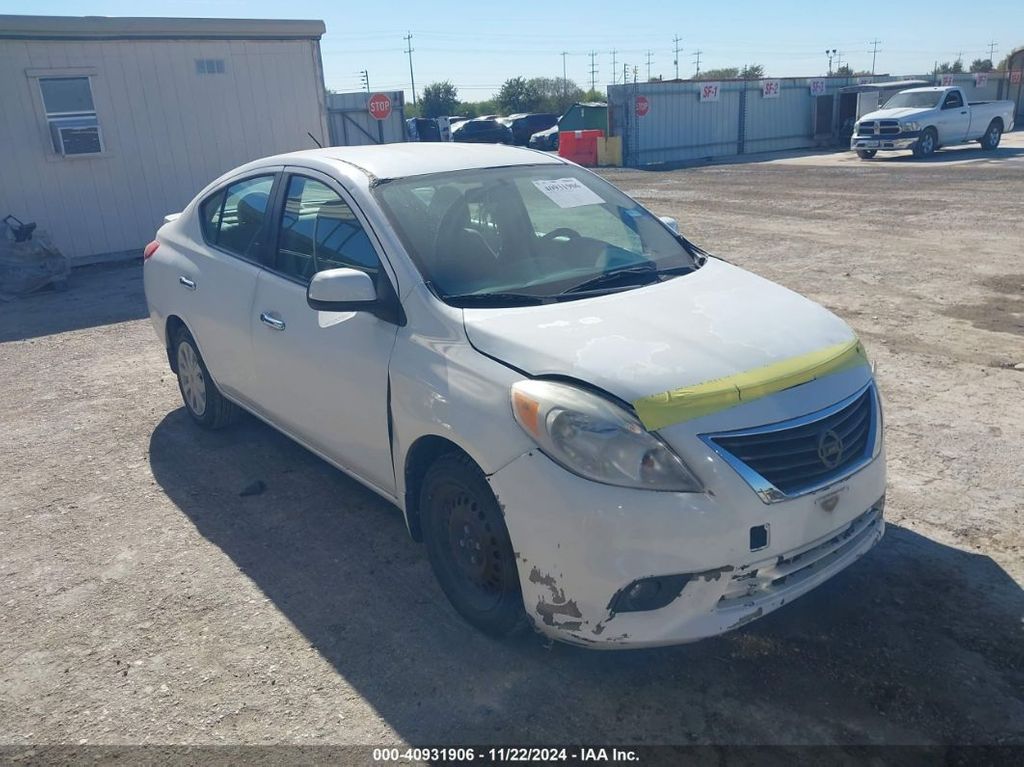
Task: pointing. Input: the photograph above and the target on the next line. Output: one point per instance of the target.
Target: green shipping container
(586, 116)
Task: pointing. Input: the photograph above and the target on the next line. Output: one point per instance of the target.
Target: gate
(350, 123)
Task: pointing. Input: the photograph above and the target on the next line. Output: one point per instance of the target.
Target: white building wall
(167, 130)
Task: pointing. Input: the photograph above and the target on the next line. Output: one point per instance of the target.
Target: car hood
(716, 322)
(900, 113)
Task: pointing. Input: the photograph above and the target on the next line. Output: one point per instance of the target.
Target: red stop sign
(379, 106)
(643, 106)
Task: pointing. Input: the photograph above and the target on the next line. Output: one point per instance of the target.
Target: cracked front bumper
(578, 543)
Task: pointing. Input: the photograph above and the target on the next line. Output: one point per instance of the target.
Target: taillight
(150, 250)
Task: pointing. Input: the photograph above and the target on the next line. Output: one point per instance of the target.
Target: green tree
(752, 72)
(982, 65)
(517, 95)
(1004, 64)
(556, 94)
(439, 99)
(844, 71)
(594, 95)
(945, 68)
(722, 73)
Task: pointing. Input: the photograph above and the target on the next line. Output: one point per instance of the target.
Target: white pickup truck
(924, 119)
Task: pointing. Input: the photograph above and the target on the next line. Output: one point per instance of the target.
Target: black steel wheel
(469, 546)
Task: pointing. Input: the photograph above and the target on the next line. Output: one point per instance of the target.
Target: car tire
(203, 400)
(993, 135)
(927, 144)
(469, 547)
(866, 154)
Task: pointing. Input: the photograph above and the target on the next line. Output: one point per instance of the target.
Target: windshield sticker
(567, 192)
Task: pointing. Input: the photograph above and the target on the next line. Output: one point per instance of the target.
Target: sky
(478, 45)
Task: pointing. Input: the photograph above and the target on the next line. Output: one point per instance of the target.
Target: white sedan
(596, 428)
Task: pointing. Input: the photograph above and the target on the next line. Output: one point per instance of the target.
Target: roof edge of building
(155, 28)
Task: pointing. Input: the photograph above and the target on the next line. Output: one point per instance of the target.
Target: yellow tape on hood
(678, 405)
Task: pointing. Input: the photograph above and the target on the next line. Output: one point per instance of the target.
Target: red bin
(580, 146)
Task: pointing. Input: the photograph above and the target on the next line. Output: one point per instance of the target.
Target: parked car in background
(482, 131)
(545, 139)
(926, 119)
(525, 125)
(424, 129)
(594, 426)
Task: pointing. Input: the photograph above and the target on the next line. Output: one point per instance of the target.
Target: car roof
(389, 161)
(930, 89)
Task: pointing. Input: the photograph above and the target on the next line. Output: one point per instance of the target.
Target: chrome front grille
(888, 127)
(794, 457)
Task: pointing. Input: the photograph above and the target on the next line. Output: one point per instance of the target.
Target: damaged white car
(595, 427)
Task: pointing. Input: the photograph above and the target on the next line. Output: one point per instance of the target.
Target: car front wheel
(469, 546)
(927, 144)
(866, 154)
(203, 400)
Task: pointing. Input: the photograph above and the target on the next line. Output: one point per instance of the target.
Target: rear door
(217, 282)
(323, 376)
(954, 118)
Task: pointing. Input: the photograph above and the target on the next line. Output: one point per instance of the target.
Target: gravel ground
(143, 600)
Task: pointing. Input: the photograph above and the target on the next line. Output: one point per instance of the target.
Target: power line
(675, 54)
(412, 78)
(696, 58)
(874, 53)
(593, 70)
(992, 51)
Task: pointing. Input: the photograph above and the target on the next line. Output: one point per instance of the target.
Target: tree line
(517, 94)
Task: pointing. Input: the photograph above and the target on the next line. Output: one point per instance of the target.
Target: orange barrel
(580, 146)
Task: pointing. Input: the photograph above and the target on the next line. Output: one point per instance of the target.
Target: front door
(323, 376)
(953, 120)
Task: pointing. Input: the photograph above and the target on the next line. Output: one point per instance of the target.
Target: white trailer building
(108, 124)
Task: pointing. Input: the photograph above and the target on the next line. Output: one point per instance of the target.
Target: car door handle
(963, 113)
(272, 321)
(190, 284)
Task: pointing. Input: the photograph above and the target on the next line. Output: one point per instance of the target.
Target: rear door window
(234, 217)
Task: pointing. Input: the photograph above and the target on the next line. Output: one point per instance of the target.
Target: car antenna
(314, 139)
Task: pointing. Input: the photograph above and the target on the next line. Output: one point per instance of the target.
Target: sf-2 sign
(379, 106)
(643, 106)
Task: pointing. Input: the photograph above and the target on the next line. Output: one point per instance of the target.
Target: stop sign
(643, 106)
(379, 106)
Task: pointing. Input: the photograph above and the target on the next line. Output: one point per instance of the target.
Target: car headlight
(910, 127)
(597, 439)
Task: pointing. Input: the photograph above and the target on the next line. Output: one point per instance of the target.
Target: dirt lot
(143, 599)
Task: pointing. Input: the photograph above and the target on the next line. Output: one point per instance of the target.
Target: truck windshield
(529, 234)
(919, 100)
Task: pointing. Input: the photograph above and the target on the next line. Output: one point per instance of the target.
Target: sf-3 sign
(770, 89)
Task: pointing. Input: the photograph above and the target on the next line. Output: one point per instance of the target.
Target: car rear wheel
(203, 400)
(866, 154)
(927, 144)
(469, 546)
(992, 136)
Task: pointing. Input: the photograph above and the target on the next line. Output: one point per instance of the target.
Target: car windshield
(529, 234)
(919, 100)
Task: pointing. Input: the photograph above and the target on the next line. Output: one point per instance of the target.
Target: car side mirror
(341, 290)
(670, 222)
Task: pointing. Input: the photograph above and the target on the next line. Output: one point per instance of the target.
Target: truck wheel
(469, 547)
(992, 136)
(927, 144)
(866, 154)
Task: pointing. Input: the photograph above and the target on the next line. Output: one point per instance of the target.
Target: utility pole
(874, 53)
(615, 68)
(649, 56)
(675, 53)
(636, 74)
(593, 70)
(625, 73)
(696, 58)
(992, 52)
(565, 80)
(409, 49)
(364, 78)
(831, 53)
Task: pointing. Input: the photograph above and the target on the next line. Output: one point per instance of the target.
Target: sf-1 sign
(709, 91)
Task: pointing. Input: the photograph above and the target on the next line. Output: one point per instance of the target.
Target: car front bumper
(884, 143)
(579, 543)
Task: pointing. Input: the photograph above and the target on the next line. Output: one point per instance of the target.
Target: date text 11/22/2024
(504, 754)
